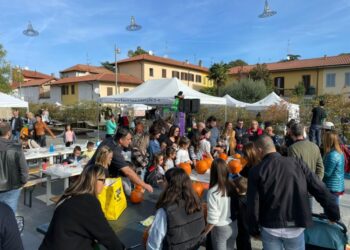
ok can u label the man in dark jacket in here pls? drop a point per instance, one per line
(318, 116)
(278, 207)
(13, 168)
(16, 123)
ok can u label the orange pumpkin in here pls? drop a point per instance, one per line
(205, 185)
(235, 166)
(209, 161)
(202, 166)
(237, 156)
(244, 161)
(138, 188)
(145, 236)
(186, 167)
(223, 156)
(136, 196)
(198, 188)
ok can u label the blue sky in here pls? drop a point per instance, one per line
(81, 31)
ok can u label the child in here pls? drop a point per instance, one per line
(182, 155)
(68, 135)
(170, 155)
(204, 144)
(155, 173)
(195, 152)
(76, 157)
(243, 238)
(220, 147)
(89, 150)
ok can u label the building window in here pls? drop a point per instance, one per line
(347, 79)
(164, 73)
(330, 80)
(109, 91)
(176, 74)
(72, 89)
(151, 72)
(126, 89)
(198, 78)
(184, 76)
(65, 90)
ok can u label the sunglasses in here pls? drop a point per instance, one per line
(102, 180)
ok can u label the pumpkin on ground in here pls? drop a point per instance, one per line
(198, 188)
(136, 196)
(202, 166)
(223, 156)
(186, 167)
(235, 166)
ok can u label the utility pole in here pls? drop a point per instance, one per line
(116, 52)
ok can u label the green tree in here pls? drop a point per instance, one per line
(108, 65)
(208, 91)
(299, 90)
(218, 73)
(247, 90)
(138, 51)
(5, 72)
(237, 62)
(260, 72)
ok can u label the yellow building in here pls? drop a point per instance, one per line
(148, 67)
(78, 84)
(324, 75)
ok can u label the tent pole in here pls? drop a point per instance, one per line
(98, 122)
(225, 113)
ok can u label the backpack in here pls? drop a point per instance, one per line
(153, 176)
(346, 152)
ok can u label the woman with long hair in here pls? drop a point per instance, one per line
(221, 222)
(179, 221)
(173, 136)
(230, 136)
(111, 126)
(104, 157)
(78, 221)
(333, 162)
(250, 154)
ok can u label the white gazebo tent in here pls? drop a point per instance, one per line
(161, 92)
(232, 102)
(7, 101)
(273, 99)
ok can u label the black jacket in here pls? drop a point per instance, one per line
(278, 194)
(13, 165)
(77, 223)
(183, 231)
(18, 124)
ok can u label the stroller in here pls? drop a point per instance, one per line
(324, 236)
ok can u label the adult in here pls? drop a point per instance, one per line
(104, 157)
(111, 126)
(13, 168)
(179, 221)
(30, 122)
(240, 134)
(254, 131)
(10, 238)
(154, 145)
(278, 209)
(40, 129)
(334, 162)
(270, 132)
(252, 158)
(28, 143)
(119, 166)
(46, 116)
(288, 140)
(318, 116)
(214, 131)
(78, 221)
(198, 130)
(173, 137)
(229, 134)
(221, 219)
(16, 125)
(139, 145)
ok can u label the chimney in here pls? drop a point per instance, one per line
(325, 57)
(200, 63)
(187, 62)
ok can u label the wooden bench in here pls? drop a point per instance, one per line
(29, 186)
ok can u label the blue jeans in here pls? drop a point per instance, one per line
(11, 198)
(315, 134)
(271, 242)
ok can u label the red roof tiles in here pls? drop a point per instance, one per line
(162, 60)
(86, 68)
(103, 77)
(34, 74)
(32, 83)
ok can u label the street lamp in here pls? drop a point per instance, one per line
(30, 31)
(116, 52)
(133, 25)
(267, 11)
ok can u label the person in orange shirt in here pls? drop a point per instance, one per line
(39, 131)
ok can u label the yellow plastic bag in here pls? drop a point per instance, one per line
(112, 198)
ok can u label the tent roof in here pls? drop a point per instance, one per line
(269, 100)
(234, 103)
(7, 101)
(161, 92)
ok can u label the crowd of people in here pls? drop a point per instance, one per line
(270, 199)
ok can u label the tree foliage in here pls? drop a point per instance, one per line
(138, 51)
(247, 90)
(218, 73)
(108, 65)
(237, 62)
(260, 72)
(5, 72)
(299, 90)
(208, 91)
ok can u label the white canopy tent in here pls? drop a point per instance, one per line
(232, 102)
(161, 92)
(7, 101)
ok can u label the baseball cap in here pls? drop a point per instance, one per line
(328, 125)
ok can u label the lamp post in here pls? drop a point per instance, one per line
(116, 52)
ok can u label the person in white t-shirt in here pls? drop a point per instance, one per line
(170, 156)
(182, 155)
(205, 144)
